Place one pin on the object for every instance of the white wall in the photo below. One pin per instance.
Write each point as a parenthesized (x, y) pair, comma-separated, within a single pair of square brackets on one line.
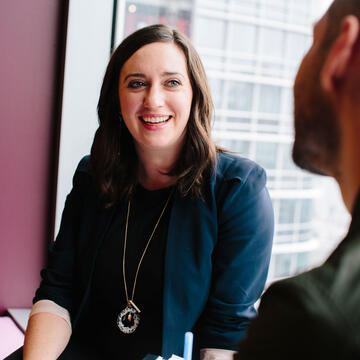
[(87, 54)]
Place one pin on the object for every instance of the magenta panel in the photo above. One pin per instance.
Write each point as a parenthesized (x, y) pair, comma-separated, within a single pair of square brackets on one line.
[(28, 63)]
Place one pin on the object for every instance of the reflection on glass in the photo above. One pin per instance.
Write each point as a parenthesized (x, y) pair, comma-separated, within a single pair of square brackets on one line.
[(140, 14)]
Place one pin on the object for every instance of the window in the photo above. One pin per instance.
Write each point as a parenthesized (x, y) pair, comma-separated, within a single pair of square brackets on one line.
[(306, 210), (140, 14), (270, 98), (296, 46), (210, 33), (243, 37), (251, 50), (272, 45), (283, 264), (266, 154), (240, 95), (287, 211), (216, 87), (275, 9)]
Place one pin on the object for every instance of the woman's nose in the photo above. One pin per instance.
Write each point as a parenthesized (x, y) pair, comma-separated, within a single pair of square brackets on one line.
[(154, 97)]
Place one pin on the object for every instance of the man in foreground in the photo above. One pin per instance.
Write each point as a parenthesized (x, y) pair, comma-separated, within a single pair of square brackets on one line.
[(316, 315)]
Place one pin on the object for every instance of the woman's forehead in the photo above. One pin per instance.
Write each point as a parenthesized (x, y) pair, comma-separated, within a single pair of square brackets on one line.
[(161, 57)]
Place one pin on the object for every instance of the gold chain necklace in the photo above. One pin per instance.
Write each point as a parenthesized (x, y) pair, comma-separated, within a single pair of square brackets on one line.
[(129, 318)]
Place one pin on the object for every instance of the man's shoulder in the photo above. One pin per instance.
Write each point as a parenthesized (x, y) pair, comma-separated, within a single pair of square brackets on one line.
[(330, 292)]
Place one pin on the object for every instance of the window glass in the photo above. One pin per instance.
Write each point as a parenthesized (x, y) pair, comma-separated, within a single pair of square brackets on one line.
[(139, 14), (296, 45), (210, 33), (240, 95), (288, 101), (216, 87), (240, 146), (270, 97), (302, 261), (287, 161), (272, 44), (306, 210), (246, 7), (275, 10), (244, 37), (266, 154), (283, 264), (287, 211), (300, 12)]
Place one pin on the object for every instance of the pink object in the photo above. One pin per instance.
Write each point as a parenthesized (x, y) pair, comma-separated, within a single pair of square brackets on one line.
[(11, 338), (29, 38)]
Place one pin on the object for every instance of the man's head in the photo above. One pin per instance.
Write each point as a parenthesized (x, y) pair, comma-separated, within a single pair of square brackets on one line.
[(321, 84)]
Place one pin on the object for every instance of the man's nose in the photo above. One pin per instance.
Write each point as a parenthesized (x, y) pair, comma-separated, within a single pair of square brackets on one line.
[(154, 97)]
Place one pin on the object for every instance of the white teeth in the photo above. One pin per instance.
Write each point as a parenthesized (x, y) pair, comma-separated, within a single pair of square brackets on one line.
[(155, 120)]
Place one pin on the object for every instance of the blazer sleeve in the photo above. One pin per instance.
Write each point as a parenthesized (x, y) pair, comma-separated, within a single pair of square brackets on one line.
[(240, 259), (57, 277)]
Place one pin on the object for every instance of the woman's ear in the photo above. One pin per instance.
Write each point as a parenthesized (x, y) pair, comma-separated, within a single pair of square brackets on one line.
[(340, 53)]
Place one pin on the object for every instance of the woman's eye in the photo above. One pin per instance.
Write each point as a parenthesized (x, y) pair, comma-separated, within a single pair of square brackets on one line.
[(174, 83), (135, 84)]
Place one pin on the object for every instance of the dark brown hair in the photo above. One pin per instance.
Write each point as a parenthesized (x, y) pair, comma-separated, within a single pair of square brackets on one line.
[(336, 12), (114, 161)]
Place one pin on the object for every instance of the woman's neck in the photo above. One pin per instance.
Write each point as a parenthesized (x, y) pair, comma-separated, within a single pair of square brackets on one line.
[(153, 167)]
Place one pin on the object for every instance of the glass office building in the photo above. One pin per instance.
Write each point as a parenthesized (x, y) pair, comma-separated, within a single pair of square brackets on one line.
[(251, 50)]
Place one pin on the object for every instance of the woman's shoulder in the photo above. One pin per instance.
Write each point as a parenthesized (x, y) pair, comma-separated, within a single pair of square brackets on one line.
[(84, 165), (82, 178), (232, 166)]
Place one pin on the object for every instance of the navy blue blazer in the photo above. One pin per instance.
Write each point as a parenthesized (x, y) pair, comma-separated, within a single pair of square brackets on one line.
[(216, 262)]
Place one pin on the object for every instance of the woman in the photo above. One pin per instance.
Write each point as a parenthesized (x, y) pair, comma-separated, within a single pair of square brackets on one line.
[(163, 232)]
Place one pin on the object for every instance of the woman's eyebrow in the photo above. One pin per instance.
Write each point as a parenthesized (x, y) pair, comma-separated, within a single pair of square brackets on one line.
[(165, 73), (134, 75), (172, 73)]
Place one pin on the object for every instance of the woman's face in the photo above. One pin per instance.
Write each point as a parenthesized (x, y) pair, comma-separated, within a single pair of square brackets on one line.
[(155, 96)]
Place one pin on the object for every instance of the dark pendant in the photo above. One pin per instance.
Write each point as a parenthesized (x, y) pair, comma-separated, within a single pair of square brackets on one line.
[(128, 320)]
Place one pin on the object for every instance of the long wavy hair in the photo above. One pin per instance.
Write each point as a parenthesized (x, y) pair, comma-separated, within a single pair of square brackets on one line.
[(114, 161)]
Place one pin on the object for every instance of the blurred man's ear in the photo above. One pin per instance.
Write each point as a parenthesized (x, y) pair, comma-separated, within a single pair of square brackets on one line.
[(340, 54)]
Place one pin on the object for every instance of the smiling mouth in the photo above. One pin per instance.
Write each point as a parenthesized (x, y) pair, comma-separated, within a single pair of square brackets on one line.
[(154, 120)]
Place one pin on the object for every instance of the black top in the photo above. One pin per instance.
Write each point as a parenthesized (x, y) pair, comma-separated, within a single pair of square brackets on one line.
[(99, 324), (212, 243)]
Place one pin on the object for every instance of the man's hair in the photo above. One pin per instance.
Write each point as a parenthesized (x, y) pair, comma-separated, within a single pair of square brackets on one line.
[(336, 12), (114, 161)]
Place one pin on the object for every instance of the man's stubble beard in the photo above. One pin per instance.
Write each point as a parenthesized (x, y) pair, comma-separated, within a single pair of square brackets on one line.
[(317, 134)]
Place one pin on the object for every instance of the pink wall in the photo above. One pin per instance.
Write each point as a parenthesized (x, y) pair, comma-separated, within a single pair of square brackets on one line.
[(30, 83)]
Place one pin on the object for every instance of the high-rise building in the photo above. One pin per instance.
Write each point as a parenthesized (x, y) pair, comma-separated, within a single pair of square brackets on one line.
[(251, 50)]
